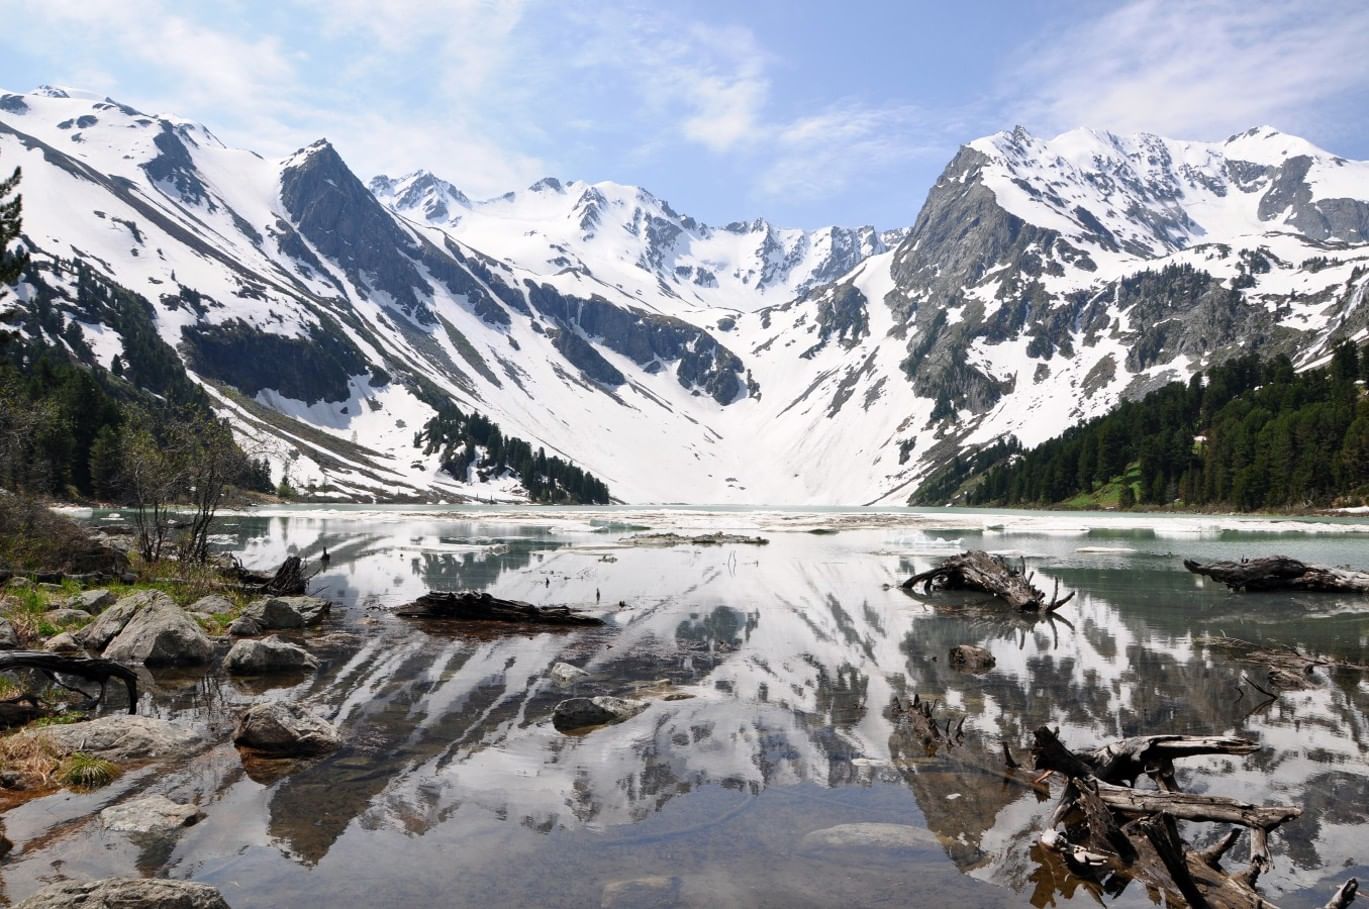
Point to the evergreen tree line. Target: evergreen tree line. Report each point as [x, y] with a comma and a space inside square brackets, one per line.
[1248, 434]
[467, 440]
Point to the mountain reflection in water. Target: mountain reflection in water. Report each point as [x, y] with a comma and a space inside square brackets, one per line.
[454, 789]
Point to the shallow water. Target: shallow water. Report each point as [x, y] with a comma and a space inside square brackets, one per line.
[454, 789]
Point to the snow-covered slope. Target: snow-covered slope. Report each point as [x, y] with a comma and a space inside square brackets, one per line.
[1042, 280]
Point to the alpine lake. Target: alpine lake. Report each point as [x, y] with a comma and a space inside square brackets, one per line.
[770, 768]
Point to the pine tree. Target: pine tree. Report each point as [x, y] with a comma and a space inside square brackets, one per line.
[12, 264]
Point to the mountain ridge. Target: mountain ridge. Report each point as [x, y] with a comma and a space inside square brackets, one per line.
[676, 360]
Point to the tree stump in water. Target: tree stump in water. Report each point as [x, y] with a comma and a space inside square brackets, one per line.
[977, 570]
[1114, 833]
[470, 606]
[1281, 573]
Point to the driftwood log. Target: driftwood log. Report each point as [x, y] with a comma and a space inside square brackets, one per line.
[977, 570]
[1114, 833]
[52, 665]
[470, 606]
[288, 580]
[1281, 573]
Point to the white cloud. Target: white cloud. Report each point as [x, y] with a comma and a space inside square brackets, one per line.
[1199, 70]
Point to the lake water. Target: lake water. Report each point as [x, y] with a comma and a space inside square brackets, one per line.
[454, 790]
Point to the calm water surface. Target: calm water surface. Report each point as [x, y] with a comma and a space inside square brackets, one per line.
[455, 790]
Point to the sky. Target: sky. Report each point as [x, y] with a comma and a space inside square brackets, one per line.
[805, 113]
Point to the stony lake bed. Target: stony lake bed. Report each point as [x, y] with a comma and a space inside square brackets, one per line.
[769, 766]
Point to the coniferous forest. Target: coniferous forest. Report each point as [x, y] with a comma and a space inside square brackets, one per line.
[1247, 434]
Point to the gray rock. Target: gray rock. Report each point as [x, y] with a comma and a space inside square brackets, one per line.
[971, 658]
[125, 893]
[18, 583]
[161, 633]
[285, 729]
[62, 643]
[154, 814]
[578, 713]
[9, 638]
[655, 892]
[92, 601]
[565, 674]
[214, 604]
[62, 616]
[311, 609]
[267, 655]
[123, 737]
[244, 626]
[106, 628]
[852, 841]
[274, 614]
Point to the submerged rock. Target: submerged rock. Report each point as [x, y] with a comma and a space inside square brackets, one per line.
[267, 655]
[154, 814]
[850, 841]
[285, 729]
[972, 658]
[579, 713]
[656, 892]
[123, 738]
[161, 633]
[125, 893]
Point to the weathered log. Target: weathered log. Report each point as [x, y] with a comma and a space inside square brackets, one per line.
[1281, 573]
[470, 606]
[1126, 760]
[91, 668]
[287, 580]
[977, 570]
[1139, 803]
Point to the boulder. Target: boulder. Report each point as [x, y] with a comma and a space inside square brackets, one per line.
[160, 634]
[273, 614]
[122, 737]
[9, 638]
[125, 893]
[285, 729]
[62, 643]
[63, 616]
[92, 601]
[565, 673]
[579, 713]
[244, 626]
[18, 583]
[970, 658]
[654, 892]
[106, 628]
[311, 609]
[254, 657]
[214, 604]
[853, 842]
[153, 814]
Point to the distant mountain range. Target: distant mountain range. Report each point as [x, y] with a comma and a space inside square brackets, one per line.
[331, 319]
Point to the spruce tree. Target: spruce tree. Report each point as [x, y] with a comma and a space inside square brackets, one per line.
[12, 264]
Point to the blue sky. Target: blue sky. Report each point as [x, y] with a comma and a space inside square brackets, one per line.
[807, 113]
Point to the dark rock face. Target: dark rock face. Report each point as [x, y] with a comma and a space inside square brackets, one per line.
[1325, 219]
[174, 166]
[315, 368]
[701, 362]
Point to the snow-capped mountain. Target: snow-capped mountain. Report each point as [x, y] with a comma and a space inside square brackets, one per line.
[626, 237]
[1042, 281]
